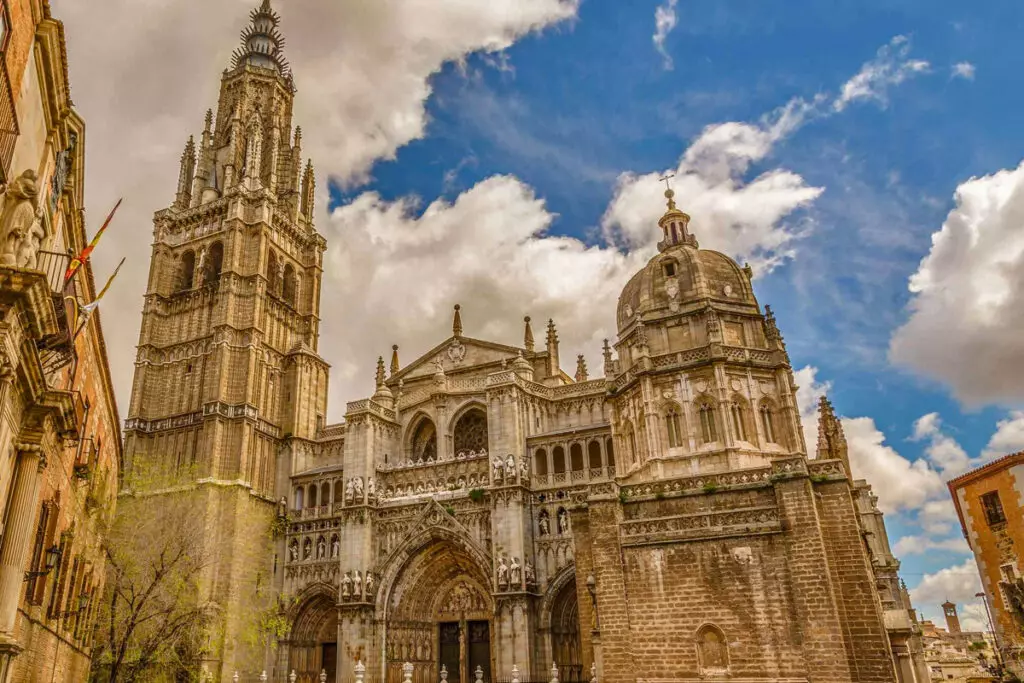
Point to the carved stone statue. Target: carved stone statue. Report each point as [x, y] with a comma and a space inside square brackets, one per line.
[346, 585]
[321, 549]
[370, 583]
[350, 489]
[359, 488]
[357, 584]
[502, 572]
[516, 573]
[523, 471]
[498, 468]
[563, 522]
[28, 250]
[307, 549]
[293, 551]
[545, 524]
[531, 574]
[20, 201]
[371, 489]
[335, 547]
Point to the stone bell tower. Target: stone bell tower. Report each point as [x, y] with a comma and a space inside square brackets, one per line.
[228, 382]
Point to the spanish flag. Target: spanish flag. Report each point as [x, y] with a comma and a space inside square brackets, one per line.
[83, 258]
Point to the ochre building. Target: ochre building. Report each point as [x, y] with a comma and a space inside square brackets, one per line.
[661, 521]
[988, 501]
[60, 441]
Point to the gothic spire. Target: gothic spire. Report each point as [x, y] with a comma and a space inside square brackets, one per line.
[262, 42]
[394, 360]
[528, 342]
[186, 174]
[581, 368]
[609, 364]
[457, 321]
[380, 370]
[831, 439]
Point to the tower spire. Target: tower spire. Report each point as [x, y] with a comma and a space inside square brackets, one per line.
[262, 42]
[457, 321]
[831, 439]
[394, 360]
[528, 342]
[581, 368]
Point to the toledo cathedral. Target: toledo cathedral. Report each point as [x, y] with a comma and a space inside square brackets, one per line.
[484, 512]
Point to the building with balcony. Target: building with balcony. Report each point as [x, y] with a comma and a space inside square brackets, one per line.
[988, 502]
[60, 440]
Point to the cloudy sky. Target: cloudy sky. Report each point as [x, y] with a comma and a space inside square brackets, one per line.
[865, 156]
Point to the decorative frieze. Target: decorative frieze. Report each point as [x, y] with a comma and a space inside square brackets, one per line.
[702, 526]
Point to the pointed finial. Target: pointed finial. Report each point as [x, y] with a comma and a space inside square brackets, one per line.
[298, 136]
[457, 321]
[394, 359]
[581, 368]
[552, 332]
[831, 439]
[528, 335]
[209, 121]
[380, 370]
[554, 672]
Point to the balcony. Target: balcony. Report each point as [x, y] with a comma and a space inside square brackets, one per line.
[9, 129]
[57, 350]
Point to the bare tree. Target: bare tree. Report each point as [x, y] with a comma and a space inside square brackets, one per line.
[154, 616]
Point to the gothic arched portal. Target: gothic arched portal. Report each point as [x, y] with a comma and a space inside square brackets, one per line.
[313, 640]
[565, 633]
[438, 609]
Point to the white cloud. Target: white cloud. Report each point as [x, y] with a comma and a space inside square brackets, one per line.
[809, 391]
[1009, 436]
[665, 20]
[959, 584]
[968, 305]
[943, 450]
[891, 66]
[938, 517]
[899, 483]
[743, 219]
[964, 70]
[362, 69]
[919, 545]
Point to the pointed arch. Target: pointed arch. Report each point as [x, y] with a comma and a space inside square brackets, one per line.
[187, 271]
[288, 285]
[705, 409]
[739, 413]
[540, 462]
[769, 421]
[422, 439]
[214, 263]
[674, 425]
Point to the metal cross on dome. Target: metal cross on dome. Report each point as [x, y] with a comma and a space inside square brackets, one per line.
[667, 179]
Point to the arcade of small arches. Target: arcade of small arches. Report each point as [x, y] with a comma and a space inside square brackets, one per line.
[201, 268]
[762, 426]
[580, 460]
[321, 494]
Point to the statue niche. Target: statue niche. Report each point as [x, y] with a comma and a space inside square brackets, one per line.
[712, 649]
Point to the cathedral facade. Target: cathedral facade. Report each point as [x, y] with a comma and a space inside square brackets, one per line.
[484, 511]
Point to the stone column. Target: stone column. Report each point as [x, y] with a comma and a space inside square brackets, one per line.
[18, 532]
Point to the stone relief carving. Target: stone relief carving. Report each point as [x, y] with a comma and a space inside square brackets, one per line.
[21, 231]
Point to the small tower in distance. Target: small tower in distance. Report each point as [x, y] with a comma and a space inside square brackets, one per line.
[952, 620]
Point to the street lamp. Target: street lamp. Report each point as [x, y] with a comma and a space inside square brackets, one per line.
[992, 629]
[51, 557]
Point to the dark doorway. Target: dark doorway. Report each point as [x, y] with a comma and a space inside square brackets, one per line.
[480, 648]
[449, 650]
[330, 660]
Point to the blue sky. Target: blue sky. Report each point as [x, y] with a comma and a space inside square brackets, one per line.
[568, 110]
[504, 155]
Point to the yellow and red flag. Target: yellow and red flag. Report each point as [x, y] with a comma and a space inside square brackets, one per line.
[83, 258]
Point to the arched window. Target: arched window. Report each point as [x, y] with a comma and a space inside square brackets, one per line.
[674, 425]
[708, 426]
[559, 457]
[288, 293]
[594, 454]
[670, 267]
[424, 441]
[186, 276]
[712, 649]
[297, 498]
[325, 494]
[214, 263]
[609, 449]
[540, 463]
[470, 432]
[768, 422]
[738, 411]
[272, 272]
[339, 491]
[576, 457]
[312, 496]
